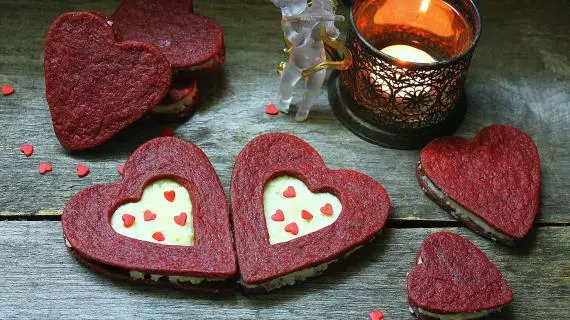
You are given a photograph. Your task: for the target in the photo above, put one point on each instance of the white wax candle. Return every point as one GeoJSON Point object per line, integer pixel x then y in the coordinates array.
{"type": "Point", "coordinates": [408, 53]}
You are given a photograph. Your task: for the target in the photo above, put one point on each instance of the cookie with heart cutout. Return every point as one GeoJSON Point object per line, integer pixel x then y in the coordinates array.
{"type": "Point", "coordinates": [453, 279]}
{"type": "Point", "coordinates": [190, 41]}
{"type": "Point", "coordinates": [179, 104]}
{"type": "Point", "coordinates": [292, 216]}
{"type": "Point", "coordinates": [165, 222]}
{"type": "Point", "coordinates": [96, 86]}
{"type": "Point", "coordinates": [490, 183]}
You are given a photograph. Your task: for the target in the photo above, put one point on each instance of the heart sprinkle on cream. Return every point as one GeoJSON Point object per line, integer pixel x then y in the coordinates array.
{"type": "Point", "coordinates": [292, 210]}
{"type": "Point", "coordinates": [163, 215]}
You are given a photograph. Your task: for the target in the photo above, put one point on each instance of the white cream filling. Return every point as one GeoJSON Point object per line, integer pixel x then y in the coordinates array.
{"type": "Point", "coordinates": [463, 214]}
{"type": "Point", "coordinates": [301, 275]}
{"type": "Point", "coordinates": [138, 275]}
{"type": "Point", "coordinates": [176, 107]}
{"type": "Point", "coordinates": [458, 316]}
{"type": "Point", "coordinates": [274, 200]}
{"type": "Point", "coordinates": [166, 213]}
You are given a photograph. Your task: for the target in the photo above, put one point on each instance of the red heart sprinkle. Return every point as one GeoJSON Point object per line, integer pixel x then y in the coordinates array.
{"type": "Point", "coordinates": [167, 132]}
{"type": "Point", "coordinates": [158, 236]}
{"type": "Point", "coordinates": [170, 195]}
{"type": "Point", "coordinates": [327, 209]}
{"type": "Point", "coordinates": [149, 216]}
{"type": "Point", "coordinates": [181, 219]}
{"type": "Point", "coordinates": [27, 149]}
{"type": "Point", "coordinates": [121, 169]}
{"type": "Point", "coordinates": [7, 90]}
{"type": "Point", "coordinates": [271, 109]}
{"type": "Point", "coordinates": [290, 192]}
{"type": "Point", "coordinates": [292, 228]}
{"type": "Point", "coordinates": [82, 170]}
{"type": "Point", "coordinates": [278, 216]}
{"type": "Point", "coordinates": [44, 167]}
{"type": "Point", "coordinates": [306, 215]}
{"type": "Point", "coordinates": [128, 220]}
{"type": "Point", "coordinates": [376, 315]}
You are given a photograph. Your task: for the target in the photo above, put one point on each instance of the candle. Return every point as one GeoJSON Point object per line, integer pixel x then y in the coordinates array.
{"type": "Point", "coordinates": [408, 53]}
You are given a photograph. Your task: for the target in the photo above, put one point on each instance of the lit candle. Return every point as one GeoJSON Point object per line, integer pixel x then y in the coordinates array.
{"type": "Point", "coordinates": [408, 53]}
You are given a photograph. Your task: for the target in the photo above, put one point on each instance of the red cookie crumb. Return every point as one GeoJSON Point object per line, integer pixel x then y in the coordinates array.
{"type": "Point", "coordinates": [82, 170]}
{"type": "Point", "coordinates": [121, 169]}
{"type": "Point", "coordinates": [278, 216]}
{"type": "Point", "coordinates": [376, 315]}
{"type": "Point", "coordinates": [7, 90]}
{"type": "Point", "coordinates": [327, 209]}
{"type": "Point", "coordinates": [292, 228]}
{"type": "Point", "coordinates": [271, 109]}
{"type": "Point", "coordinates": [149, 216]}
{"type": "Point", "coordinates": [306, 215]}
{"type": "Point", "coordinates": [167, 132]}
{"type": "Point", "coordinates": [181, 219]}
{"type": "Point", "coordinates": [128, 220]}
{"type": "Point", "coordinates": [290, 192]}
{"type": "Point", "coordinates": [170, 195]}
{"type": "Point", "coordinates": [27, 149]}
{"type": "Point", "coordinates": [44, 167]}
{"type": "Point", "coordinates": [158, 236]}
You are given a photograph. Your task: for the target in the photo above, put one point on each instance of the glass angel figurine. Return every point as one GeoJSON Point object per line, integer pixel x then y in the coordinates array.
{"type": "Point", "coordinates": [303, 26]}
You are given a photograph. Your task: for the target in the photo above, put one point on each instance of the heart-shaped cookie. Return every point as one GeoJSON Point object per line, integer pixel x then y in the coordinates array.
{"type": "Point", "coordinates": [491, 183]}
{"type": "Point", "coordinates": [166, 221]}
{"type": "Point", "coordinates": [189, 41]}
{"type": "Point", "coordinates": [275, 179]}
{"type": "Point", "coordinates": [96, 86]}
{"type": "Point", "coordinates": [453, 279]}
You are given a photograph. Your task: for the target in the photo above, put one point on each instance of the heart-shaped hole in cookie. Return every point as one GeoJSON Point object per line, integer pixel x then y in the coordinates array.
{"type": "Point", "coordinates": [163, 215]}
{"type": "Point", "coordinates": [292, 210]}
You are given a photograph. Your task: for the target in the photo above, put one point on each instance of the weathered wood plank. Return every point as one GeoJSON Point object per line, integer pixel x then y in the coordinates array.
{"type": "Point", "coordinates": [40, 279]}
{"type": "Point", "coordinates": [519, 76]}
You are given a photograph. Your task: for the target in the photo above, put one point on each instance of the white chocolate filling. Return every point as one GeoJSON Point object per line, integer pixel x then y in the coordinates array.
{"type": "Point", "coordinates": [292, 207]}
{"type": "Point", "coordinates": [163, 217]}
{"type": "Point", "coordinates": [137, 275]}
{"type": "Point", "coordinates": [178, 106]}
{"type": "Point", "coordinates": [458, 316]}
{"type": "Point", "coordinates": [464, 215]}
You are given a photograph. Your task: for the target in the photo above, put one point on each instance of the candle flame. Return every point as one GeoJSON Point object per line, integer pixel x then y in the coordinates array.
{"type": "Point", "coordinates": [424, 6]}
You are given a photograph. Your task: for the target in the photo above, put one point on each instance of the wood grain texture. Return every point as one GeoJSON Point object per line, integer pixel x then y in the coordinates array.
{"type": "Point", "coordinates": [520, 76]}
{"type": "Point", "coordinates": [42, 280]}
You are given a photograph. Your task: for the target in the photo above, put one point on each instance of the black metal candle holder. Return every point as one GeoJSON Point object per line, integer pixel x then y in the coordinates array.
{"type": "Point", "coordinates": [399, 104]}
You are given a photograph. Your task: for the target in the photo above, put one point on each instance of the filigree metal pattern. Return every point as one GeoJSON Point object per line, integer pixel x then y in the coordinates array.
{"type": "Point", "coordinates": [401, 97]}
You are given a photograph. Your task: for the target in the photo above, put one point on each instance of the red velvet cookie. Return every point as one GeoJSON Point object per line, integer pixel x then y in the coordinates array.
{"type": "Point", "coordinates": [453, 277]}
{"type": "Point", "coordinates": [166, 222]}
{"type": "Point", "coordinates": [96, 86]}
{"type": "Point", "coordinates": [179, 104]}
{"type": "Point", "coordinates": [292, 216]}
{"type": "Point", "coordinates": [490, 183]}
{"type": "Point", "coordinates": [189, 41]}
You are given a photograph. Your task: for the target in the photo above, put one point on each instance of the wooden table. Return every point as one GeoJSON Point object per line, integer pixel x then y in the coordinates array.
{"type": "Point", "coordinates": [520, 75]}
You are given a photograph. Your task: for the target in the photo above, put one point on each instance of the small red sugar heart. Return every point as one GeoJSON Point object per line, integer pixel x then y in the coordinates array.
{"type": "Point", "coordinates": [376, 315]}
{"type": "Point", "coordinates": [121, 169]}
{"type": "Point", "coordinates": [167, 132]}
{"type": "Point", "coordinates": [128, 220]}
{"type": "Point", "coordinates": [306, 215]}
{"type": "Point", "coordinates": [170, 195]}
{"type": "Point", "coordinates": [278, 216]}
{"type": "Point", "coordinates": [327, 209]}
{"type": "Point", "coordinates": [181, 219]}
{"type": "Point", "coordinates": [149, 216]}
{"type": "Point", "coordinates": [7, 90]}
{"type": "Point", "coordinates": [44, 167]}
{"type": "Point", "coordinates": [158, 236]}
{"type": "Point", "coordinates": [292, 228]}
{"type": "Point", "coordinates": [290, 192]}
{"type": "Point", "coordinates": [82, 170]}
{"type": "Point", "coordinates": [271, 109]}
{"type": "Point", "coordinates": [27, 149]}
